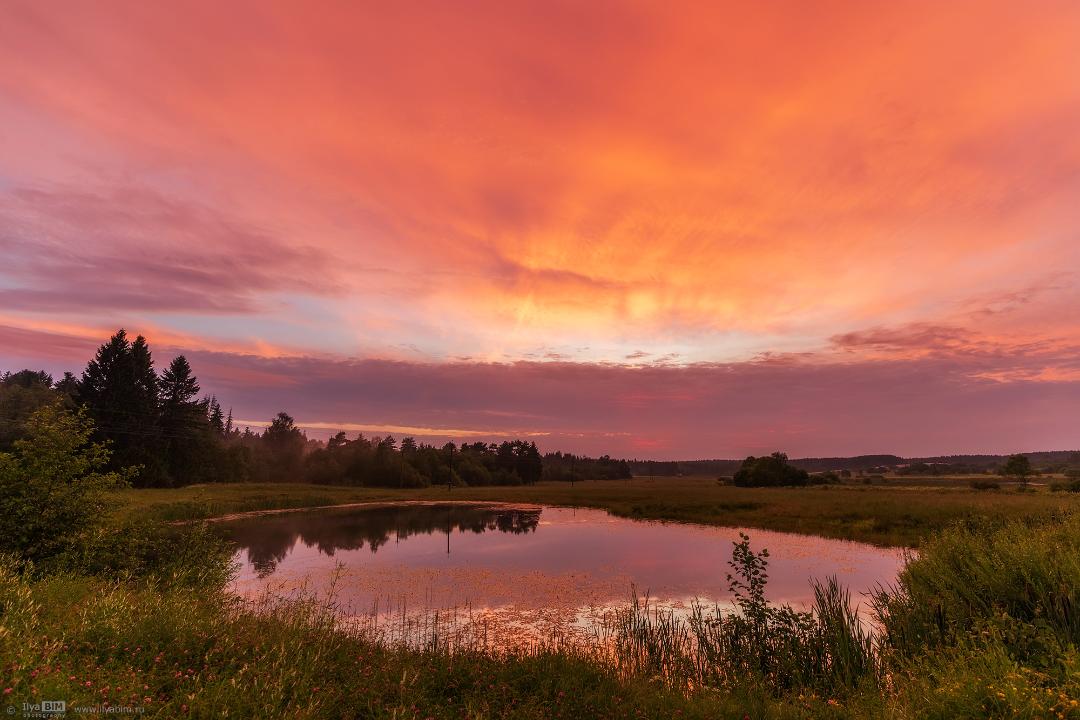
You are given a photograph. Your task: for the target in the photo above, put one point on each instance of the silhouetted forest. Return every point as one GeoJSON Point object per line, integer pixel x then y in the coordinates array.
{"type": "Point", "coordinates": [162, 423]}
{"type": "Point", "coordinates": [268, 539]}
{"type": "Point", "coordinates": [1047, 462]}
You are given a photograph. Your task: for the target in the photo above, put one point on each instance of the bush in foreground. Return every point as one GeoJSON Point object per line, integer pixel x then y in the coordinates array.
{"type": "Point", "coordinates": [53, 487]}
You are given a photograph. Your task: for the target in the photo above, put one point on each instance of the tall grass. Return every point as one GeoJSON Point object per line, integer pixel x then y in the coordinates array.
{"type": "Point", "coordinates": [985, 622]}
{"type": "Point", "coordinates": [982, 623]}
{"type": "Point", "coordinates": [1025, 573]}
{"type": "Point", "coordinates": [827, 648]}
{"type": "Point", "coordinates": [177, 652]}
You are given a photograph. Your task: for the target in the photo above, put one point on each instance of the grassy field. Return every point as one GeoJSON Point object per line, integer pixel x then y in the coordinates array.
{"type": "Point", "coordinates": [981, 625]}
{"type": "Point", "coordinates": [897, 512]}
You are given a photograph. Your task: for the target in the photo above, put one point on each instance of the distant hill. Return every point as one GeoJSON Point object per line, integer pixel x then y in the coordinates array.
{"type": "Point", "coordinates": [1053, 459]}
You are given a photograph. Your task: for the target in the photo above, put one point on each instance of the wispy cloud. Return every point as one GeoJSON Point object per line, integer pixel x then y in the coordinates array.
{"type": "Point", "coordinates": [696, 225]}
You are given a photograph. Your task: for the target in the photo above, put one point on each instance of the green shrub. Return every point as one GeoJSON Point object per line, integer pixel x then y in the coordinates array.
{"type": "Point", "coordinates": [980, 678]}
{"type": "Point", "coordinates": [977, 575]}
{"type": "Point", "coordinates": [52, 488]}
{"type": "Point", "coordinates": [985, 485]}
{"type": "Point", "coordinates": [189, 556]}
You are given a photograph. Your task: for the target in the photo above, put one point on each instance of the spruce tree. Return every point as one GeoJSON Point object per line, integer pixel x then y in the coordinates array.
{"type": "Point", "coordinates": [119, 389]}
{"type": "Point", "coordinates": [184, 424]}
{"type": "Point", "coordinates": [178, 385]}
{"type": "Point", "coordinates": [68, 386]}
{"type": "Point", "coordinates": [144, 379]}
{"type": "Point", "coordinates": [217, 420]}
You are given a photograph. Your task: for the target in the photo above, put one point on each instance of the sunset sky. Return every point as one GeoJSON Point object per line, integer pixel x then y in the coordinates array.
{"type": "Point", "coordinates": [665, 230]}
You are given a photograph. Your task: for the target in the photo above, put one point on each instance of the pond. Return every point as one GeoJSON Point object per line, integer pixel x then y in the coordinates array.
{"type": "Point", "coordinates": [531, 567]}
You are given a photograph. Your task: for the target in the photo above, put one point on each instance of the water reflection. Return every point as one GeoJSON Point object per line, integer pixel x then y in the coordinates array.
{"type": "Point", "coordinates": [268, 539]}
{"type": "Point", "coordinates": [535, 568]}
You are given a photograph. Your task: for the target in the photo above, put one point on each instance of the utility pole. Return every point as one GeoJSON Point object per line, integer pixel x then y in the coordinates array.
{"type": "Point", "coordinates": [450, 480]}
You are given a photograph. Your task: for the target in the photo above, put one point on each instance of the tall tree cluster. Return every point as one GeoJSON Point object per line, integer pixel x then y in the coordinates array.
{"type": "Point", "coordinates": [155, 422]}
{"type": "Point", "coordinates": [569, 467]}
{"type": "Point", "coordinates": [162, 424]}
{"type": "Point", "coordinates": [381, 462]}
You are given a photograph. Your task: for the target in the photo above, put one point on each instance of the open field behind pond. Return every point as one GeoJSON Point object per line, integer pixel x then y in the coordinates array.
{"type": "Point", "coordinates": [897, 511]}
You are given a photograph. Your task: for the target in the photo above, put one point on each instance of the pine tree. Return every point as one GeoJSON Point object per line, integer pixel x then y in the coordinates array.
{"type": "Point", "coordinates": [144, 379]}
{"type": "Point", "coordinates": [68, 385]}
{"type": "Point", "coordinates": [178, 385]}
{"type": "Point", "coordinates": [184, 423]}
{"type": "Point", "coordinates": [106, 376]}
{"type": "Point", "coordinates": [119, 389]}
{"type": "Point", "coordinates": [217, 422]}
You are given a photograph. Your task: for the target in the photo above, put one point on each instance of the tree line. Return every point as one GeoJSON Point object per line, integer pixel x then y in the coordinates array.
{"type": "Point", "coordinates": [162, 424]}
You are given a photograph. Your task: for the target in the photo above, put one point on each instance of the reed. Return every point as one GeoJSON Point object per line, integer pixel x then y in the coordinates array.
{"type": "Point", "coordinates": [774, 649]}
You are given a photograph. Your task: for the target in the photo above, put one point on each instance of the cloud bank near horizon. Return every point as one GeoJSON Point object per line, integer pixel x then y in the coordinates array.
{"type": "Point", "coordinates": [982, 401]}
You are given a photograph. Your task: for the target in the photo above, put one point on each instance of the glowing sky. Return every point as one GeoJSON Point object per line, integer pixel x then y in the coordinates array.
{"type": "Point", "coordinates": [649, 229]}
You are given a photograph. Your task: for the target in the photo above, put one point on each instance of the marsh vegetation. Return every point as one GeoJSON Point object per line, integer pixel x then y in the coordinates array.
{"type": "Point", "coordinates": [103, 602]}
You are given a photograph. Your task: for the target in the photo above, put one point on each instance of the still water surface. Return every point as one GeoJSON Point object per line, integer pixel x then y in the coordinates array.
{"type": "Point", "coordinates": [538, 567]}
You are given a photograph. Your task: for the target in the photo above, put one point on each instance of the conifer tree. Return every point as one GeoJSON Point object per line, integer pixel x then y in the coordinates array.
{"type": "Point", "coordinates": [119, 389]}
{"type": "Point", "coordinates": [178, 386]}
{"type": "Point", "coordinates": [217, 421]}
{"type": "Point", "coordinates": [184, 424]}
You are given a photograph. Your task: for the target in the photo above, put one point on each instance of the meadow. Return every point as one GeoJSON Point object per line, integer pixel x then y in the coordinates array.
{"type": "Point", "coordinates": [889, 512]}
{"type": "Point", "coordinates": [982, 624]}
{"type": "Point", "coordinates": [135, 611]}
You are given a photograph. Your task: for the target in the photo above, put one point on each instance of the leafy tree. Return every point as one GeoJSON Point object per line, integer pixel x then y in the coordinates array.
{"type": "Point", "coordinates": [769, 471]}
{"type": "Point", "coordinates": [21, 395]}
{"type": "Point", "coordinates": [53, 486]}
{"type": "Point", "coordinates": [1018, 467]}
{"type": "Point", "coordinates": [284, 444]}
{"type": "Point", "coordinates": [27, 379]}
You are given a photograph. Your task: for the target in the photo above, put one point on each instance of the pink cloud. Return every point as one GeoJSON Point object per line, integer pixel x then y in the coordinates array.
{"type": "Point", "coordinates": [703, 229]}
{"type": "Point", "coordinates": [131, 248]}
{"type": "Point", "coordinates": [807, 406]}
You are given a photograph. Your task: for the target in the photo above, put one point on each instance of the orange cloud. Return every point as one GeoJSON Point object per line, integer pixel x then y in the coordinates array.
{"type": "Point", "coordinates": [559, 181]}
{"type": "Point", "coordinates": [601, 172]}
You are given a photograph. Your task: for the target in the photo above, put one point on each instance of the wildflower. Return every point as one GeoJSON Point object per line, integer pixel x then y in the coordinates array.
{"type": "Point", "coordinates": [7, 691]}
